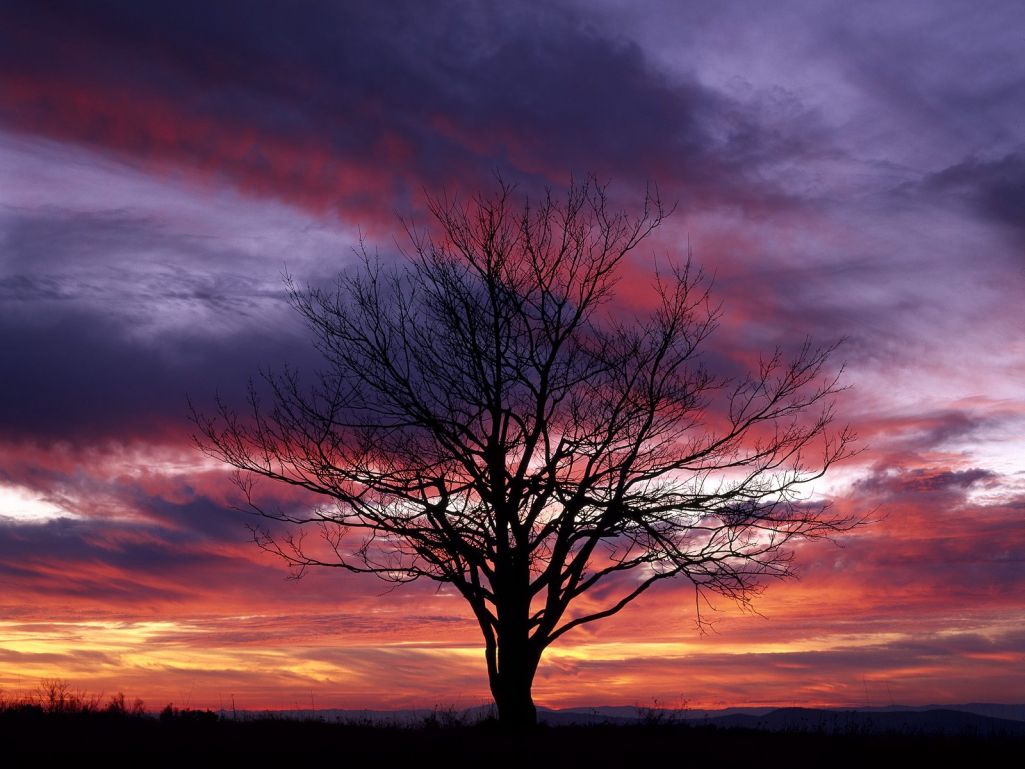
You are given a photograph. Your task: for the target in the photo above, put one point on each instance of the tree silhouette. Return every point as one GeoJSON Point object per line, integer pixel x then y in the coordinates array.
{"type": "Point", "coordinates": [490, 418]}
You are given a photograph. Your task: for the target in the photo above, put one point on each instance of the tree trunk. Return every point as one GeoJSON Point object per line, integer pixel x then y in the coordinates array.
{"type": "Point", "coordinates": [511, 684]}
{"type": "Point", "coordinates": [512, 668]}
{"type": "Point", "coordinates": [512, 663]}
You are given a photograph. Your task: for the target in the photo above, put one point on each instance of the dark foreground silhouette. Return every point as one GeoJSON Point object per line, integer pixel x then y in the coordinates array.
{"type": "Point", "coordinates": [792, 738]}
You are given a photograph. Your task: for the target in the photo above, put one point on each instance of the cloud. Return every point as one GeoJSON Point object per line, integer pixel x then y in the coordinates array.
{"type": "Point", "coordinates": [344, 107]}
{"type": "Point", "coordinates": [128, 268]}
{"type": "Point", "coordinates": [911, 667]}
{"type": "Point", "coordinates": [79, 378]}
{"type": "Point", "coordinates": [924, 481]}
{"type": "Point", "coordinates": [995, 188]}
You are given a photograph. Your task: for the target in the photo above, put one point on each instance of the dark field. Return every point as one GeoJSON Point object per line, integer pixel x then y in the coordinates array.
{"type": "Point", "coordinates": [199, 733]}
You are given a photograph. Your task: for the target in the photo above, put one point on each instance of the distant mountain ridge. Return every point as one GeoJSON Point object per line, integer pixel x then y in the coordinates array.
{"type": "Point", "coordinates": [1014, 712]}
{"type": "Point", "coordinates": [941, 721]}
{"type": "Point", "coordinates": [970, 718]}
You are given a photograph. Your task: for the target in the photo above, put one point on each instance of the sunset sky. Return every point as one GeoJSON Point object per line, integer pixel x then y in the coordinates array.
{"type": "Point", "coordinates": [850, 170]}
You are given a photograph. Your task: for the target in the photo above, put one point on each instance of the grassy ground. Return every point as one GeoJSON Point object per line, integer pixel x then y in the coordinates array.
{"type": "Point", "coordinates": [32, 729]}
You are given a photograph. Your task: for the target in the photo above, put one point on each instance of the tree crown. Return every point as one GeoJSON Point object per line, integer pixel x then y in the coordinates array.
{"type": "Point", "coordinates": [489, 418]}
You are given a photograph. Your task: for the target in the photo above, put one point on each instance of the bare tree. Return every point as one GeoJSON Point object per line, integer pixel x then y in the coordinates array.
{"type": "Point", "coordinates": [489, 418]}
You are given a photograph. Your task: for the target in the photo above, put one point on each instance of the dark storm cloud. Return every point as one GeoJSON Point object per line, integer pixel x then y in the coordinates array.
{"type": "Point", "coordinates": [110, 320]}
{"type": "Point", "coordinates": [932, 430]}
{"type": "Point", "coordinates": [78, 377]}
{"type": "Point", "coordinates": [448, 91]}
{"type": "Point", "coordinates": [994, 188]}
{"type": "Point", "coordinates": [920, 481]}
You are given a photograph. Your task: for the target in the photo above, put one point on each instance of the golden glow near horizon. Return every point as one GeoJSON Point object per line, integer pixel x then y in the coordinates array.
{"type": "Point", "coordinates": [173, 660]}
